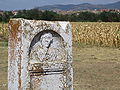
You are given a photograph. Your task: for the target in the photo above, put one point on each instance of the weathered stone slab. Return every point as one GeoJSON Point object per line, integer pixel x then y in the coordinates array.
{"type": "Point", "coordinates": [40, 55]}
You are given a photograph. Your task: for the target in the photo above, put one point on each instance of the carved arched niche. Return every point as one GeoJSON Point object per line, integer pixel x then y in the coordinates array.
{"type": "Point", "coordinates": [47, 52]}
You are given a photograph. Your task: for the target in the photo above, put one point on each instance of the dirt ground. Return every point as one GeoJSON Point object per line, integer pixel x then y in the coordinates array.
{"type": "Point", "coordinates": [95, 68]}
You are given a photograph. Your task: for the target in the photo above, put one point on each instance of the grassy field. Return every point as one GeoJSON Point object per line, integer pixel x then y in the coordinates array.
{"type": "Point", "coordinates": [95, 68]}
{"type": "Point", "coordinates": [3, 66]}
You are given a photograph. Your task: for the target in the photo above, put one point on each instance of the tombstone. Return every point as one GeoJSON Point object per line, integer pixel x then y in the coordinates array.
{"type": "Point", "coordinates": [39, 55]}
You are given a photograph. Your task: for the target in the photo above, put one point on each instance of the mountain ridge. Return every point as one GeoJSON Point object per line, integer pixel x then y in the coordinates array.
{"type": "Point", "coordinates": [83, 6]}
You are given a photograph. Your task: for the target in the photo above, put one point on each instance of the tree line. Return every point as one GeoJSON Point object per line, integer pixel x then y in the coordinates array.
{"type": "Point", "coordinates": [87, 16]}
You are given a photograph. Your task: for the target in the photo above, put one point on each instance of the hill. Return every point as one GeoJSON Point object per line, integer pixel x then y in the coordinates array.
{"type": "Point", "coordinates": [84, 6]}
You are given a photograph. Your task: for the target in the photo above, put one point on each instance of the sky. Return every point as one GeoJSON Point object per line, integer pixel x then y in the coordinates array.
{"type": "Point", "coordinates": [28, 4]}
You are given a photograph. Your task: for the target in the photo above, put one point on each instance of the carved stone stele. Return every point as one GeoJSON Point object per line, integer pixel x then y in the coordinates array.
{"type": "Point", "coordinates": [40, 55]}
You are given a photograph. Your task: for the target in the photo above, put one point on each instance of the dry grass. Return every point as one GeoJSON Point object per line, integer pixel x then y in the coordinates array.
{"type": "Point", "coordinates": [97, 33]}
{"type": "Point", "coordinates": [3, 32]}
{"type": "Point", "coordinates": [95, 68]}
{"type": "Point", "coordinates": [3, 67]}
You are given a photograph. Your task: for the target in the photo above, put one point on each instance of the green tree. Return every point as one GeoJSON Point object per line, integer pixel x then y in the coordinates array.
{"type": "Point", "coordinates": [87, 16]}
{"type": "Point", "coordinates": [34, 14]}
{"type": "Point", "coordinates": [49, 15]}
{"type": "Point", "coordinates": [6, 16]}
{"type": "Point", "coordinates": [109, 16]}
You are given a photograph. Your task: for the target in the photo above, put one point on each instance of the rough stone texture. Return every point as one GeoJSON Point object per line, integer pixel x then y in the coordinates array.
{"type": "Point", "coordinates": [40, 55]}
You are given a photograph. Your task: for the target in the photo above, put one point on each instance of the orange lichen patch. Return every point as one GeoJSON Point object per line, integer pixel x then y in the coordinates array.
{"type": "Point", "coordinates": [36, 69]}
{"type": "Point", "coordinates": [19, 73]}
{"type": "Point", "coordinates": [14, 41]}
{"type": "Point", "coordinates": [14, 25]}
{"type": "Point", "coordinates": [14, 28]}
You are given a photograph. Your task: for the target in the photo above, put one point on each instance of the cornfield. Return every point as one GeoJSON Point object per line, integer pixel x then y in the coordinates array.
{"type": "Point", "coordinates": [93, 33]}
{"type": "Point", "coordinates": [97, 33]}
{"type": "Point", "coordinates": [3, 32]}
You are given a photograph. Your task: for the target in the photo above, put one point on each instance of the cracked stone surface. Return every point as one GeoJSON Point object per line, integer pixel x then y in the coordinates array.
{"type": "Point", "coordinates": [40, 55]}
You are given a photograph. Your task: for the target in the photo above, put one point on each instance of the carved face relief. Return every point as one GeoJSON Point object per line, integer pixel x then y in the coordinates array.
{"type": "Point", "coordinates": [46, 40]}
{"type": "Point", "coordinates": [49, 51]}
